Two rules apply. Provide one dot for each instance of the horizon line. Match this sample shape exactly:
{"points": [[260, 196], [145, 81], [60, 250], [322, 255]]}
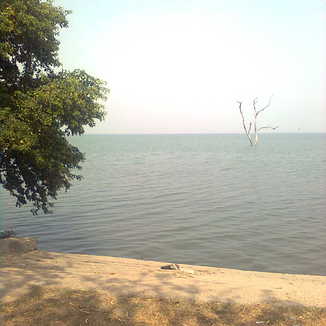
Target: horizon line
{"points": [[201, 133]]}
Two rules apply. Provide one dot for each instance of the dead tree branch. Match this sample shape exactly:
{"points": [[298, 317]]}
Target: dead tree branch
{"points": [[253, 123], [267, 127], [266, 106], [244, 124]]}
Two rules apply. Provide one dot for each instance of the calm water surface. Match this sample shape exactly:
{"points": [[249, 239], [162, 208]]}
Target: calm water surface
{"points": [[196, 199]]}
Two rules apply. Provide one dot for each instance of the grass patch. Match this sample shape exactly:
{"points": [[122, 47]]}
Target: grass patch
{"points": [[58, 307]]}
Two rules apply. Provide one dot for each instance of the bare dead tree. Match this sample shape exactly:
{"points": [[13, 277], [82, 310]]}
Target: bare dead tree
{"points": [[247, 126], [247, 130]]}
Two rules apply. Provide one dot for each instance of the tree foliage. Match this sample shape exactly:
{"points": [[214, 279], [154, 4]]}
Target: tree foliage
{"points": [[40, 104]]}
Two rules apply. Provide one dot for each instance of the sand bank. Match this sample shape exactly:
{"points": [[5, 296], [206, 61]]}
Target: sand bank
{"points": [[122, 276]]}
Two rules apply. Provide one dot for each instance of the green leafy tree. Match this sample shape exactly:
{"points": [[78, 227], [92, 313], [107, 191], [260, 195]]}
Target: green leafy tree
{"points": [[40, 104]]}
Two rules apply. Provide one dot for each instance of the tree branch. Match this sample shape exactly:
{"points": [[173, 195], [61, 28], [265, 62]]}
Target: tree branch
{"points": [[254, 103], [250, 124], [265, 107], [244, 123], [267, 127], [252, 131]]}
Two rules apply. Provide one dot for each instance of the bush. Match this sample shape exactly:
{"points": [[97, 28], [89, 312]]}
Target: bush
{"points": [[7, 234]]}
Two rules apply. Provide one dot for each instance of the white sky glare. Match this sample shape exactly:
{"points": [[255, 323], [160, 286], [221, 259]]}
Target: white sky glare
{"points": [[178, 66]]}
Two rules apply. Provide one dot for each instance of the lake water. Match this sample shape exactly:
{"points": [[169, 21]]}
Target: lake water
{"points": [[196, 199]]}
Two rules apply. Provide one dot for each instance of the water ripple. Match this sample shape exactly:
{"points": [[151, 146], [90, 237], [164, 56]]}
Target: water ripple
{"points": [[198, 199]]}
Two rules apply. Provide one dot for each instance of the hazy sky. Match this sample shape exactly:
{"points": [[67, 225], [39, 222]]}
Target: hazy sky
{"points": [[179, 66]]}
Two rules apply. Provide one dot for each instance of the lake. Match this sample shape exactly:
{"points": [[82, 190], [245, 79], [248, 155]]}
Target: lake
{"points": [[193, 199]]}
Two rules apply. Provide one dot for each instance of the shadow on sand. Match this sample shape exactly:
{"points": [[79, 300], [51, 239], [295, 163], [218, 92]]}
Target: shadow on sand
{"points": [[46, 302], [42, 306]]}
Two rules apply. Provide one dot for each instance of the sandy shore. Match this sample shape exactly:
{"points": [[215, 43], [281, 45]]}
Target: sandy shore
{"points": [[121, 276]]}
